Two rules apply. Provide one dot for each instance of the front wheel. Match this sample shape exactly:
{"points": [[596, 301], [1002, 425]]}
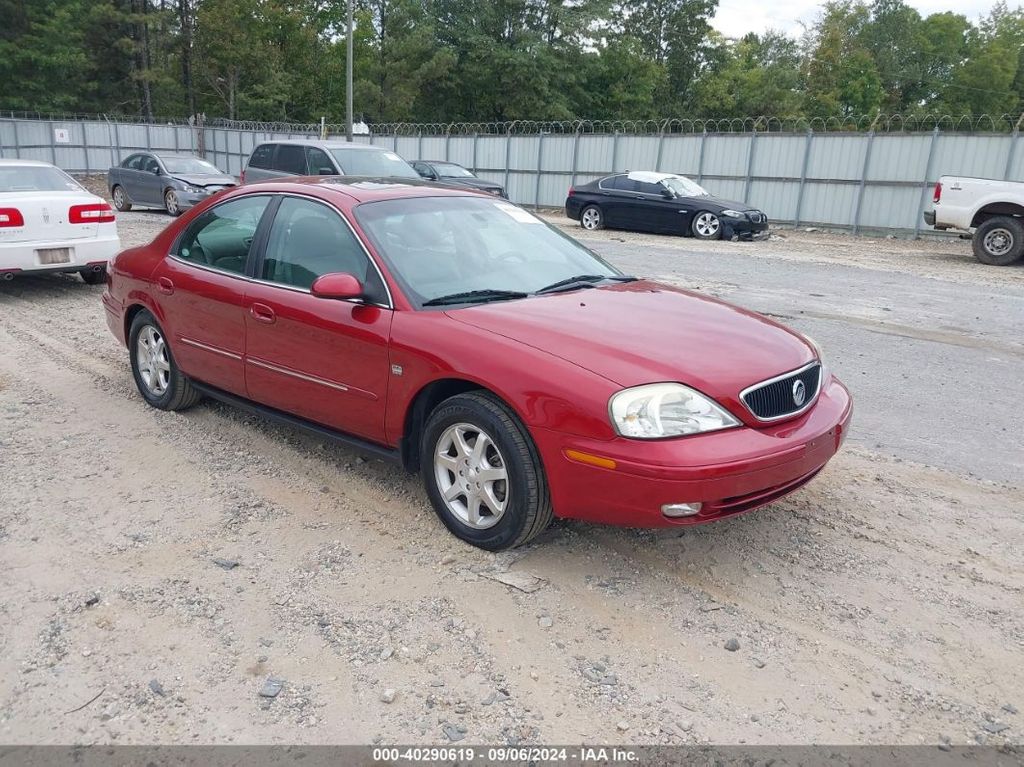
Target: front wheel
{"points": [[999, 241], [482, 473], [171, 203], [706, 226], [591, 218], [160, 381]]}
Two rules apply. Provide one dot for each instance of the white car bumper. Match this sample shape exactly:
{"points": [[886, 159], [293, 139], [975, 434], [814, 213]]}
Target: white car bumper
{"points": [[84, 253]]}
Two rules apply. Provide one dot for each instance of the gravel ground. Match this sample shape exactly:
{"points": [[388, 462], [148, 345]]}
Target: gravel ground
{"points": [[206, 577]]}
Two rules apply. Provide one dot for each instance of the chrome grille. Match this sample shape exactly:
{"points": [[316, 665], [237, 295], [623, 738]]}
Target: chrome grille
{"points": [[779, 397]]}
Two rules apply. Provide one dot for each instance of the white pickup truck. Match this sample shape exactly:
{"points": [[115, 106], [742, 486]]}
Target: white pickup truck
{"points": [[993, 209]]}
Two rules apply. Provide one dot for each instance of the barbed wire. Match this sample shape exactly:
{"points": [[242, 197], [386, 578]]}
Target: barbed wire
{"points": [[880, 123]]}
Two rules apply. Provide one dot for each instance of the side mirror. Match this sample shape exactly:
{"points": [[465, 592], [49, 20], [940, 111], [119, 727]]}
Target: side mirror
{"points": [[668, 194], [337, 285], [156, 171], [326, 172]]}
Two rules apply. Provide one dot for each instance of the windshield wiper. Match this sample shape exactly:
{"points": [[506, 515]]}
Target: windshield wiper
{"points": [[583, 281], [475, 297]]}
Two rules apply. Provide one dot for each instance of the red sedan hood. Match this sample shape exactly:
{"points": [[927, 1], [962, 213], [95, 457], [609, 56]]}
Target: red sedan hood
{"points": [[643, 332]]}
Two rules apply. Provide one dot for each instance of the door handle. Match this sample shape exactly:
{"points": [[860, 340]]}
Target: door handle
{"points": [[164, 285], [263, 313]]}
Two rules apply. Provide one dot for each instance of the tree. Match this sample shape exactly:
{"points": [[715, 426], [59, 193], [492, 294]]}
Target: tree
{"points": [[841, 76]]}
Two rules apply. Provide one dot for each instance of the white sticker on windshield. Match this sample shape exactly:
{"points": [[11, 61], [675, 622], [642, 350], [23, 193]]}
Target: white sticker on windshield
{"points": [[517, 213], [392, 156]]}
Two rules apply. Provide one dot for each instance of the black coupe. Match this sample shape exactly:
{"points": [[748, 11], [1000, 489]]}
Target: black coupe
{"points": [[456, 175], [662, 202]]}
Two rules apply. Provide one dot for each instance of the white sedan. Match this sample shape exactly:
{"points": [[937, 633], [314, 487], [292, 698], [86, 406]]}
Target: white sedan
{"points": [[50, 223]]}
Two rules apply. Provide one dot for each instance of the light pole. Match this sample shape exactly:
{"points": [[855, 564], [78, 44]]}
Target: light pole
{"points": [[348, 77]]}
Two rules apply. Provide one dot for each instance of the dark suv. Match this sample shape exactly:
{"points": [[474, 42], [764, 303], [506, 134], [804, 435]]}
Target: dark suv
{"points": [[312, 157]]}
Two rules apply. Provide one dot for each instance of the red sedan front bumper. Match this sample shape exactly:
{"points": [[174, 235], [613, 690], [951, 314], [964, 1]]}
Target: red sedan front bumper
{"points": [[729, 472]]}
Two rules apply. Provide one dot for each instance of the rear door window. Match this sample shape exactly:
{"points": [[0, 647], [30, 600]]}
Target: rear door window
{"points": [[222, 236], [132, 163], [262, 156], [291, 158], [319, 163]]}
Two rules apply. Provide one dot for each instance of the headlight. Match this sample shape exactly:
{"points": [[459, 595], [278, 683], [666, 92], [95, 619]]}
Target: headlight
{"points": [[666, 410], [733, 214], [194, 189]]}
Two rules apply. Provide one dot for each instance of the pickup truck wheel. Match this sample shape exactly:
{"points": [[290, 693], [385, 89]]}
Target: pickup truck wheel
{"points": [[121, 201], [999, 241]]}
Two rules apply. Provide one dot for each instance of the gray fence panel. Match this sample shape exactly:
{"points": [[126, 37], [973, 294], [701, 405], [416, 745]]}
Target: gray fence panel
{"points": [[460, 150], [837, 157], [779, 198], [899, 158], [681, 154], [595, 154], [982, 156], [778, 156], [726, 155], [558, 152], [890, 206], [891, 183]]}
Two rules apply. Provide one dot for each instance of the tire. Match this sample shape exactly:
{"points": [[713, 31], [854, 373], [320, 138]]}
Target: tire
{"points": [[706, 226], [121, 201], [521, 496], [94, 278], [591, 218], [173, 390], [999, 241], [171, 204]]}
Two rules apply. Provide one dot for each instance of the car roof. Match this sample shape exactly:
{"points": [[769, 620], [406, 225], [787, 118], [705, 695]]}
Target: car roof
{"points": [[326, 144], [650, 176], [36, 163], [441, 162], [176, 155], [363, 188]]}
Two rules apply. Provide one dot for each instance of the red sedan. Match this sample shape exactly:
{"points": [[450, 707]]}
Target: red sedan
{"points": [[461, 336]]}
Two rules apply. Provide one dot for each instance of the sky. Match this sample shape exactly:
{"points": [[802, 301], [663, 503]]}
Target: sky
{"points": [[737, 17]]}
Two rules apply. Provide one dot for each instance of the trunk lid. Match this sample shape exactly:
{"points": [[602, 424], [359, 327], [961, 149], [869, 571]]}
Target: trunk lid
{"points": [[46, 216]]}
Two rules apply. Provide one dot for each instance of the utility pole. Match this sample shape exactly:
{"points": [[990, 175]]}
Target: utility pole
{"points": [[348, 77]]}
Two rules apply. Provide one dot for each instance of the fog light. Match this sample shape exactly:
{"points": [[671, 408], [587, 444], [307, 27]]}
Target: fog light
{"points": [[676, 510]]}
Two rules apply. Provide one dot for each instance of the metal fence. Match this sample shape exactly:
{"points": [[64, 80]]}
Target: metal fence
{"points": [[861, 181]]}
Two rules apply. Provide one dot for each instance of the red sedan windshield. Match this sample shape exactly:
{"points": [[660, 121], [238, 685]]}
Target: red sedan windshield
{"points": [[437, 246]]}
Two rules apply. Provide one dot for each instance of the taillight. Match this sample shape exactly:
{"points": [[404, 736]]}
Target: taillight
{"points": [[11, 217], [572, 191], [95, 213], [938, 192]]}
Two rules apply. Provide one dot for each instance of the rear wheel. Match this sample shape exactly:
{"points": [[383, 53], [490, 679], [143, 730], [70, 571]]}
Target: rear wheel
{"points": [[999, 241], [482, 473], [160, 381], [591, 218], [121, 201], [706, 226], [171, 204]]}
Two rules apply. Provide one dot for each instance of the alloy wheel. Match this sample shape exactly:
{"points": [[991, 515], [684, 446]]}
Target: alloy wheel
{"points": [[471, 475], [706, 224], [171, 202], [152, 360], [591, 218]]}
